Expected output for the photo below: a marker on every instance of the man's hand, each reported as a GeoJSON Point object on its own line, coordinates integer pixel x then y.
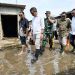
{"type": "Point", "coordinates": [42, 31]}
{"type": "Point", "coordinates": [25, 35]}
{"type": "Point", "coordinates": [61, 27]}
{"type": "Point", "coordinates": [41, 36]}
{"type": "Point", "coordinates": [50, 20]}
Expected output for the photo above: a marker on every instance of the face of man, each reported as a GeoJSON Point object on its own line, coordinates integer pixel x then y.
{"type": "Point", "coordinates": [48, 15]}
{"type": "Point", "coordinates": [21, 15]}
{"type": "Point", "coordinates": [34, 13]}
{"type": "Point", "coordinates": [73, 13]}
{"type": "Point", "coordinates": [63, 16]}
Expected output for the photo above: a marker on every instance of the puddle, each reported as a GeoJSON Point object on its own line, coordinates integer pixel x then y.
{"type": "Point", "coordinates": [50, 63]}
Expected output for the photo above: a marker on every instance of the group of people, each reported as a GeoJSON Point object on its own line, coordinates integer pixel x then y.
{"type": "Point", "coordinates": [39, 31]}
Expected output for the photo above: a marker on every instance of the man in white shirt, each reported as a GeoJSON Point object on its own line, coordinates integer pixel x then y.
{"type": "Point", "coordinates": [37, 31]}
{"type": "Point", "coordinates": [72, 38]}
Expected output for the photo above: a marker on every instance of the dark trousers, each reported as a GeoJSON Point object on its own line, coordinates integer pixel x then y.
{"type": "Point", "coordinates": [55, 34]}
{"type": "Point", "coordinates": [72, 40]}
{"type": "Point", "coordinates": [51, 40]}
{"type": "Point", "coordinates": [37, 53]}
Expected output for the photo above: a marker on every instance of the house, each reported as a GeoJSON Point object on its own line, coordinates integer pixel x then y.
{"type": "Point", "coordinates": [9, 19]}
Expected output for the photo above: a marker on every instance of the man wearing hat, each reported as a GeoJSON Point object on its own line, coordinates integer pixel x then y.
{"type": "Point", "coordinates": [49, 20]}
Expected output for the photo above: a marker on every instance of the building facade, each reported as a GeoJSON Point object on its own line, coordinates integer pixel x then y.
{"type": "Point", "coordinates": [9, 19]}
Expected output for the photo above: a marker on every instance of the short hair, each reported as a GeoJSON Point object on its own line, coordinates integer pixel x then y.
{"type": "Point", "coordinates": [73, 10]}
{"type": "Point", "coordinates": [22, 12]}
{"type": "Point", "coordinates": [33, 9]}
{"type": "Point", "coordinates": [63, 13]}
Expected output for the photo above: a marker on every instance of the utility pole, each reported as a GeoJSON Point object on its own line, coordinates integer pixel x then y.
{"type": "Point", "coordinates": [16, 2]}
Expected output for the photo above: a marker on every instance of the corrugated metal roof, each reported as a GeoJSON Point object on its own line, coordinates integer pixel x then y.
{"type": "Point", "coordinates": [12, 5]}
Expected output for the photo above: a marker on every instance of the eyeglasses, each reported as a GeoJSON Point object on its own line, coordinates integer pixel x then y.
{"type": "Point", "coordinates": [72, 13]}
{"type": "Point", "coordinates": [20, 14]}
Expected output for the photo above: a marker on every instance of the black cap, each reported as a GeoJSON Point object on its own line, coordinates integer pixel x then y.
{"type": "Point", "coordinates": [47, 12]}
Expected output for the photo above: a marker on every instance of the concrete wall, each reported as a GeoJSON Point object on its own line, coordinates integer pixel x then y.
{"type": "Point", "coordinates": [1, 32]}
{"type": "Point", "coordinates": [9, 10]}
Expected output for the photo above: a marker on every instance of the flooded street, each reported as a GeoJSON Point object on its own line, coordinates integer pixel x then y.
{"type": "Point", "coordinates": [50, 63]}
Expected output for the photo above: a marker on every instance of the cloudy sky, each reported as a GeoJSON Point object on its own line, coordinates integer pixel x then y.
{"type": "Point", "coordinates": [55, 6]}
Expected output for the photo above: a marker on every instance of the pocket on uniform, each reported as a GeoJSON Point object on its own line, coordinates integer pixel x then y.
{"type": "Point", "coordinates": [64, 41]}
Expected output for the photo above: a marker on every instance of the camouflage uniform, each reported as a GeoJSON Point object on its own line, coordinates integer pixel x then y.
{"type": "Point", "coordinates": [63, 28]}
{"type": "Point", "coordinates": [48, 32]}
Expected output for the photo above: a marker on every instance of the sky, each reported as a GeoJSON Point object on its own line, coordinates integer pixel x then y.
{"type": "Point", "coordinates": [55, 6]}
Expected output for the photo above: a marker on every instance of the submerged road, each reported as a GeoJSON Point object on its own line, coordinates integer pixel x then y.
{"type": "Point", "coordinates": [50, 63]}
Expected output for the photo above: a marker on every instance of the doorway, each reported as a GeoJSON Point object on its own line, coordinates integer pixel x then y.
{"type": "Point", "coordinates": [9, 25]}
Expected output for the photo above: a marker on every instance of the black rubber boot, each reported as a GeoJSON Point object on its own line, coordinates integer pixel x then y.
{"type": "Point", "coordinates": [62, 48]}
{"type": "Point", "coordinates": [41, 50]}
{"type": "Point", "coordinates": [36, 55]}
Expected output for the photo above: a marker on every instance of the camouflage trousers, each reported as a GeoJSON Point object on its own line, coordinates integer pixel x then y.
{"type": "Point", "coordinates": [63, 42]}
{"type": "Point", "coordinates": [48, 36]}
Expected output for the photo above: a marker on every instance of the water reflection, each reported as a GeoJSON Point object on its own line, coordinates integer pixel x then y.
{"type": "Point", "coordinates": [51, 63]}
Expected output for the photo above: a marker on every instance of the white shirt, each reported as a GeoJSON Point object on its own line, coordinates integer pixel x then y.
{"type": "Point", "coordinates": [21, 33]}
{"type": "Point", "coordinates": [73, 26]}
{"type": "Point", "coordinates": [54, 26]}
{"type": "Point", "coordinates": [37, 25]}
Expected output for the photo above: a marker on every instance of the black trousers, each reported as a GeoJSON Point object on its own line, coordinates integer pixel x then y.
{"type": "Point", "coordinates": [55, 34]}
{"type": "Point", "coordinates": [72, 40]}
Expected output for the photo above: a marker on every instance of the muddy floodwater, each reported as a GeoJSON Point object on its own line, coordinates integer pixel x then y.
{"type": "Point", "coordinates": [50, 63]}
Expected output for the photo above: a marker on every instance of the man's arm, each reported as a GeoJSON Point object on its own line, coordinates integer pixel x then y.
{"type": "Point", "coordinates": [69, 24]}
{"type": "Point", "coordinates": [42, 25]}
{"type": "Point", "coordinates": [57, 24]}
{"type": "Point", "coordinates": [25, 28]}
{"type": "Point", "coordinates": [51, 20]}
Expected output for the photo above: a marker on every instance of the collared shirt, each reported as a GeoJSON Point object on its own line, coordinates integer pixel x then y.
{"type": "Point", "coordinates": [63, 26]}
{"type": "Point", "coordinates": [37, 25]}
{"type": "Point", "coordinates": [48, 25]}
{"type": "Point", "coordinates": [73, 26]}
{"type": "Point", "coordinates": [23, 24]}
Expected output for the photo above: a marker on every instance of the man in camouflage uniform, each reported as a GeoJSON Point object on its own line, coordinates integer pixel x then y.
{"type": "Point", "coordinates": [49, 27]}
{"type": "Point", "coordinates": [63, 25]}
